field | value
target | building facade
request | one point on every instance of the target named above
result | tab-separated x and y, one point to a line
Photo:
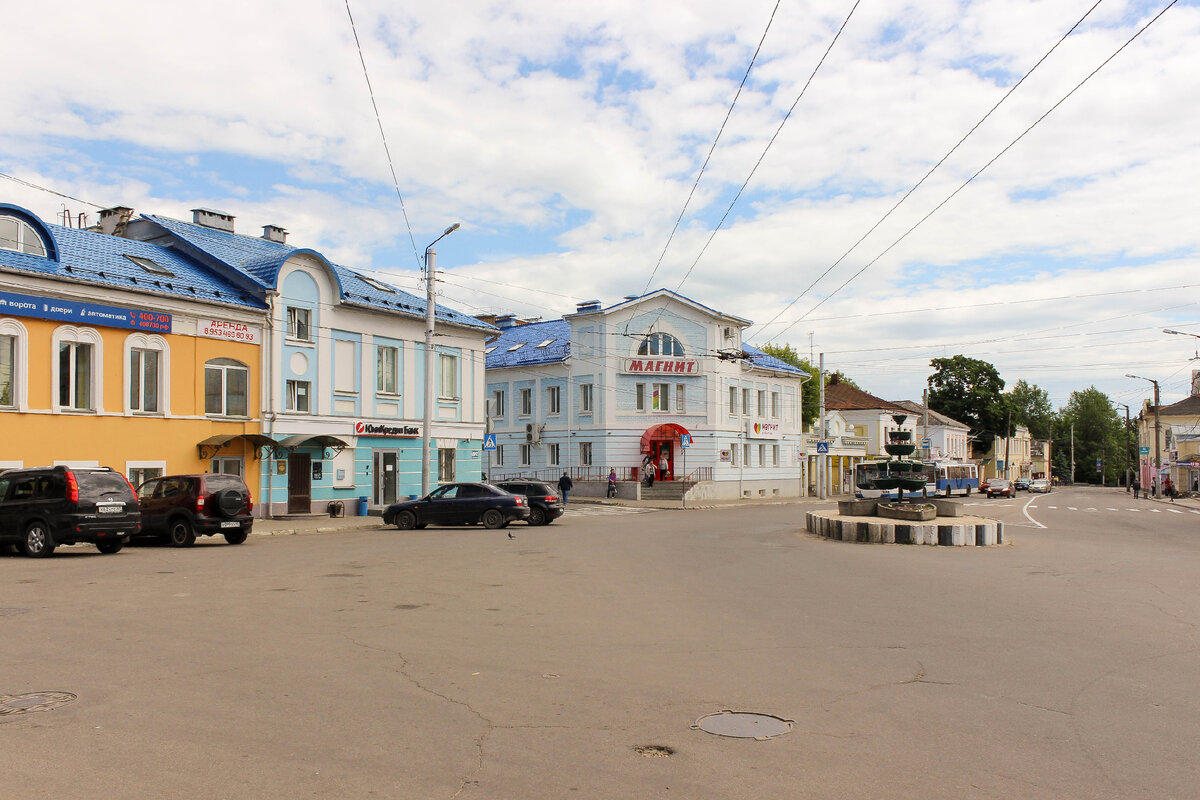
657	378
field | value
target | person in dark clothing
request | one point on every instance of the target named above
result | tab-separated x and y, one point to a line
565	485
1137	487
612	482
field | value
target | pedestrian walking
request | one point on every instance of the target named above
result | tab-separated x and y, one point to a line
1137	487
565	485
612	482
664	468
650	470
1169	489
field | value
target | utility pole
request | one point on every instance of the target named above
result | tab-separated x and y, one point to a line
1157	435
925	421
1072	452
1008	444
822	458
1127	447
430	319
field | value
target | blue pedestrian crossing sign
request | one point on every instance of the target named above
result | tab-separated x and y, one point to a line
685	440
822	447
489	441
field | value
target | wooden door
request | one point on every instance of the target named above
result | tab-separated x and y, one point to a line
299	483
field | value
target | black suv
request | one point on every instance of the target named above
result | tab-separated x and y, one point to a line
181	507
545	505
43	507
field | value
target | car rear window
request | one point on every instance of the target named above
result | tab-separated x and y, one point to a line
217	483
103	486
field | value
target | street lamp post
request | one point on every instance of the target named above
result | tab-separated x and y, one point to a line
1185	333
1157	436
1126	446
430	260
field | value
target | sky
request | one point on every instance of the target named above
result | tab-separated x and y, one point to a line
566	138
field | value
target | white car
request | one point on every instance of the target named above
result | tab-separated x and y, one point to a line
1040	485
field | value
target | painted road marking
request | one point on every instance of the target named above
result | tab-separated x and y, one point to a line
1173	511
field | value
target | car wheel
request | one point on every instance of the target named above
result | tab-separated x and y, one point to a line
109	548
235	537
181	534
492	518
406	520
537	516
38	543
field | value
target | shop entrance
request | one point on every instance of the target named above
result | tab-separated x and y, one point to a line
662	453
386	467
299	483
660	444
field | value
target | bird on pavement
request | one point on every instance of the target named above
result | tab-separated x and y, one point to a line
510	535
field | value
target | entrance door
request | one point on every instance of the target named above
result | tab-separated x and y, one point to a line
386	465
299	483
663	450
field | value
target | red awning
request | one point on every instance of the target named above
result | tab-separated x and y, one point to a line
666	432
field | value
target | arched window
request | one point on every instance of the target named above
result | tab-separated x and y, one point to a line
226	388
18	235
13	340
147	365
78	379
660	344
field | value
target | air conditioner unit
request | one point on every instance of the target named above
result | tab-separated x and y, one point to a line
533	433
730	333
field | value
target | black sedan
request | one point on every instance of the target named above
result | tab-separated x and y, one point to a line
458	504
545	505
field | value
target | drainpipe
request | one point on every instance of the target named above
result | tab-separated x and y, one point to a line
268	360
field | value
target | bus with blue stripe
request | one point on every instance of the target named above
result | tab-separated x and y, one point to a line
944	478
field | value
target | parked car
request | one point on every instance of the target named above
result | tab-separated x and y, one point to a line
1041	485
181	507
1000	488
1021	484
545	505
43	507
459	504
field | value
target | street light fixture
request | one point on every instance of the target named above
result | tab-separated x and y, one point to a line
1127	429
1185	333
430	260
1157	429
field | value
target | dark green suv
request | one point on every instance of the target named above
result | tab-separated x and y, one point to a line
43	507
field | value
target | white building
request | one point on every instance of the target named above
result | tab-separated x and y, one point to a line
657	377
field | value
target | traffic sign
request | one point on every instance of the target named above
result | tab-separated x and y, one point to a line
926	444
822	447
1144	451
685	440
489	441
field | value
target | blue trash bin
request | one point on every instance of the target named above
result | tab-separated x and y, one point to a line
362	506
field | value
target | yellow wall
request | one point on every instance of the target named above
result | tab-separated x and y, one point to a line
112	438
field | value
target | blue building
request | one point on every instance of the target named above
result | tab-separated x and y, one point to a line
343	369
657	378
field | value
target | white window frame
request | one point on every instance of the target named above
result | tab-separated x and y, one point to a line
224	369
345	367
775	455
19	401
447	376
299	327
585	398
447	464
734	454
680	398
292	396
499	457
70	334
733	400
142	466
553	401
585	454
762	402
775	405
746	453
526	455
25	240
553	454
381	368
148	342
526	402
639	397
746	395
762	455
498	403
664	398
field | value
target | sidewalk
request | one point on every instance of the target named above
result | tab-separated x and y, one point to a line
1180	502
313	524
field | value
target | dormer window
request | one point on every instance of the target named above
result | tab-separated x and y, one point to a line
383	287
20	237
660	344
545	344
150	265
516	347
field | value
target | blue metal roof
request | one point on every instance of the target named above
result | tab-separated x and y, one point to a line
760	359
529	337
261	260
99	258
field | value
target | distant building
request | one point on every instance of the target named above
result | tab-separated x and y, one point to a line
948	438
1179	442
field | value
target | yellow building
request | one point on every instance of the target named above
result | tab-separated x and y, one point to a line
124	354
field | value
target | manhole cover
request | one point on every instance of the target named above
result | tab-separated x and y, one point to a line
744	725
33	701
12	612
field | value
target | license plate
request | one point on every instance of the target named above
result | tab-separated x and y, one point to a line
231	524
110	509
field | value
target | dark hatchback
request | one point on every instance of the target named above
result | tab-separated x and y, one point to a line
181	507
545	505
459	504
43	507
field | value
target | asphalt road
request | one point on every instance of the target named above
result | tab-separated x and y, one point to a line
458	663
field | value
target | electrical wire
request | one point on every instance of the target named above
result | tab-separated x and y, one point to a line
980	171
50	191
383	135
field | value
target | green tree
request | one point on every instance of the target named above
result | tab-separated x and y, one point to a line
970	391
1030	406
1099	437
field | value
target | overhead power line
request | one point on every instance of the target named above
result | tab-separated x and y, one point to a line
934	168
383	135
981	170
708	158
51	191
